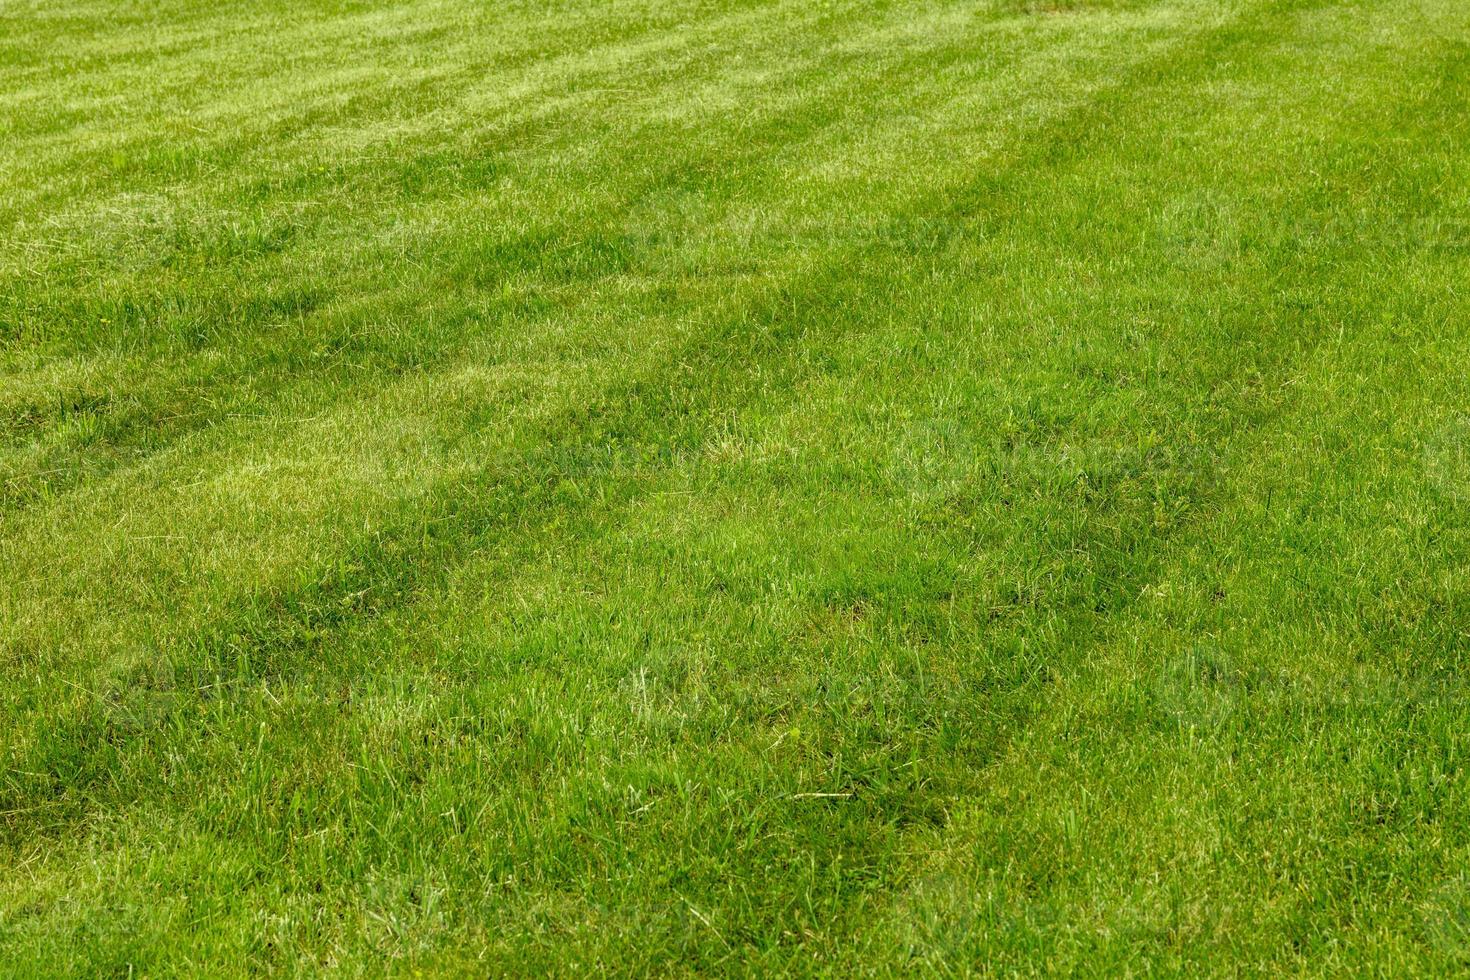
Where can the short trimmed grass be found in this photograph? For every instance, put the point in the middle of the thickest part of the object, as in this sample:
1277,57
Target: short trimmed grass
717,486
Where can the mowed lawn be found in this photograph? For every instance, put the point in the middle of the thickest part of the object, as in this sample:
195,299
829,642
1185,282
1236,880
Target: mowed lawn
863,487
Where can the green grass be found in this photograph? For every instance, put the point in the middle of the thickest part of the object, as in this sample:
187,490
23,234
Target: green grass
717,486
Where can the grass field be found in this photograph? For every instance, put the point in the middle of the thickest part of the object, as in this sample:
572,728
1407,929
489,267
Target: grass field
734,486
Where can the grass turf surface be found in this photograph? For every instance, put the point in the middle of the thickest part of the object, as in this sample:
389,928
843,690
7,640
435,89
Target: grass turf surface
721,486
